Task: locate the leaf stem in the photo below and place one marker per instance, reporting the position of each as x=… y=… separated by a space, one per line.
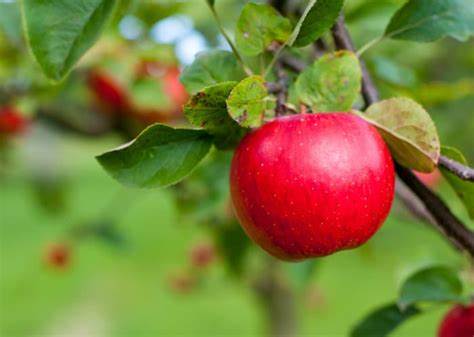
x=229 y=40
x=369 y=45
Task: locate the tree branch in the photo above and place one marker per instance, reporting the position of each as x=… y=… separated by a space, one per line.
x=282 y=93
x=445 y=221
x=462 y=171
x=343 y=40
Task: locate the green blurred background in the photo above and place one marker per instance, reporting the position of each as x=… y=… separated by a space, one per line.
x=135 y=277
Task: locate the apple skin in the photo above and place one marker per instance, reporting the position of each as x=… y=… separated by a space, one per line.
x=458 y=322
x=309 y=185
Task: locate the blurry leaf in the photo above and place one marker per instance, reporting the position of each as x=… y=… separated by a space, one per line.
x=383 y=321
x=158 y=157
x=301 y=272
x=442 y=92
x=211 y=67
x=148 y=93
x=432 y=284
x=464 y=189
x=208 y=109
x=61 y=31
x=394 y=73
x=332 y=83
x=211 y=2
x=429 y=20
x=319 y=19
x=258 y=26
x=10 y=21
x=233 y=245
x=246 y=103
x=408 y=130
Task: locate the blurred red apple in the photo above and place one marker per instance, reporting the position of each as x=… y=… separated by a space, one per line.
x=167 y=80
x=11 y=121
x=309 y=185
x=108 y=92
x=458 y=322
x=173 y=87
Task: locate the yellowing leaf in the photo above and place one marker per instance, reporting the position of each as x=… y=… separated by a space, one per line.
x=408 y=130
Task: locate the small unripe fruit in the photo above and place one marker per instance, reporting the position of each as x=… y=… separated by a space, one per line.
x=309 y=185
x=458 y=322
x=58 y=255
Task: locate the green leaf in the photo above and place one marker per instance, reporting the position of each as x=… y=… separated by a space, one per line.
x=430 y=284
x=408 y=130
x=10 y=21
x=332 y=83
x=464 y=189
x=429 y=20
x=209 y=68
x=246 y=103
x=383 y=321
x=61 y=31
x=208 y=109
x=318 y=20
x=233 y=245
x=301 y=272
x=159 y=156
x=394 y=73
x=260 y=25
x=211 y=2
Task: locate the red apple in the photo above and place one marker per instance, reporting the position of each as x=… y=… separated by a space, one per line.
x=108 y=92
x=11 y=121
x=459 y=322
x=174 y=89
x=309 y=185
x=429 y=179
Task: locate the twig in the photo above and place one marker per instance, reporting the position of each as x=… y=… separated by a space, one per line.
x=278 y=300
x=292 y=63
x=462 y=171
x=446 y=222
x=343 y=40
x=282 y=93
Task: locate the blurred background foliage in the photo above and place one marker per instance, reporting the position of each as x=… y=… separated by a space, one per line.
x=175 y=262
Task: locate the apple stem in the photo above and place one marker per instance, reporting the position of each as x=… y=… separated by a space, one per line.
x=444 y=220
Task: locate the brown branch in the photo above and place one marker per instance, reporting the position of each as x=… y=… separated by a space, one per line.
x=283 y=92
x=462 y=171
x=446 y=222
x=343 y=40
x=278 y=301
x=292 y=63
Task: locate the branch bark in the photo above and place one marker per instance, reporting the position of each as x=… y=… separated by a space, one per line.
x=462 y=171
x=445 y=221
x=277 y=300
